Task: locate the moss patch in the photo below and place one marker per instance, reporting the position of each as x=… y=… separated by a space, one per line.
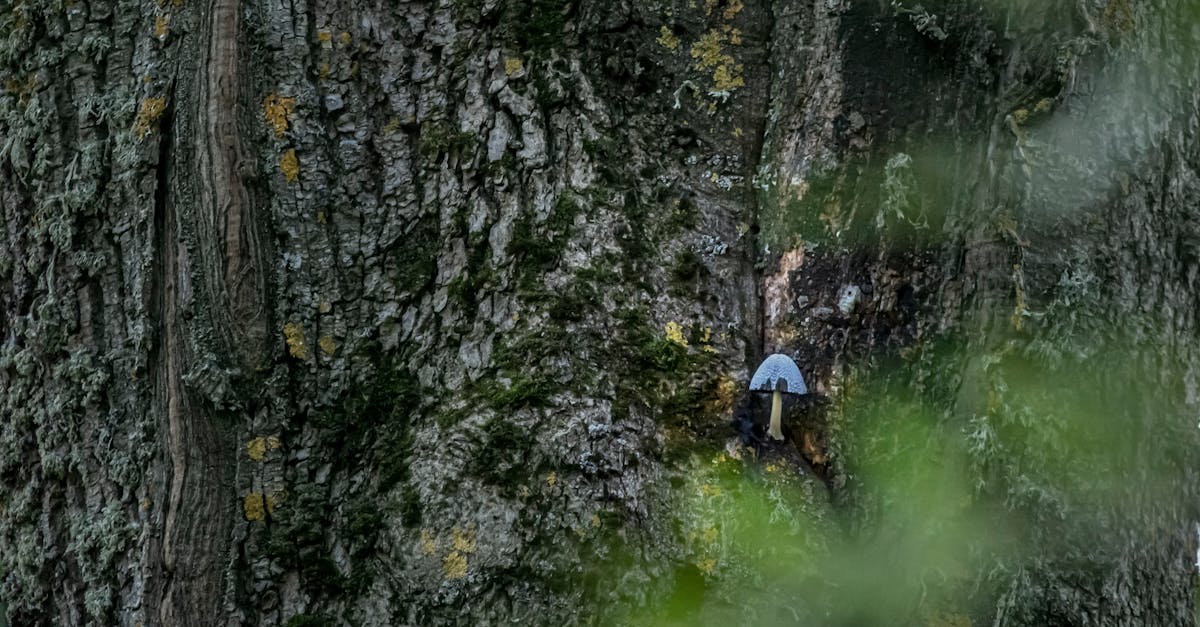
x=503 y=455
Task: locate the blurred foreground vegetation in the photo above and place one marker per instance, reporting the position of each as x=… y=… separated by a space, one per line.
x=963 y=500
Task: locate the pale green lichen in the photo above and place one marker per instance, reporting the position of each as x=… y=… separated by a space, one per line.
x=328 y=345
x=668 y=39
x=710 y=55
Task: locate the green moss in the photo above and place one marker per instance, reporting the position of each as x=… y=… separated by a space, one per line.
x=520 y=394
x=502 y=456
x=535 y=26
x=410 y=507
x=438 y=137
x=371 y=428
x=416 y=259
x=685 y=271
x=634 y=236
x=537 y=248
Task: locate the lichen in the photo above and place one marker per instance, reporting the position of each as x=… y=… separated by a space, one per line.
x=328 y=345
x=161 y=26
x=429 y=543
x=731 y=11
x=278 y=109
x=257 y=448
x=463 y=540
x=667 y=39
x=289 y=165
x=454 y=565
x=293 y=334
x=512 y=65
x=1118 y=15
x=148 y=114
x=254 y=506
x=675 y=333
x=710 y=55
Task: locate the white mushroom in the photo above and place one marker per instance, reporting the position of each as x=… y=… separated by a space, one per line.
x=779 y=375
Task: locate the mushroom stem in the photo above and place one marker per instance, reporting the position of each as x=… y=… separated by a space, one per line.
x=776 y=412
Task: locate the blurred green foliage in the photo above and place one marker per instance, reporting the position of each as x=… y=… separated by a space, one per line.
x=960 y=491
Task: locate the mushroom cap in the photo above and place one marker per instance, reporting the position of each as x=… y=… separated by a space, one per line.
x=778 y=371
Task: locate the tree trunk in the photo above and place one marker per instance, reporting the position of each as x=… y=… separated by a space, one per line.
x=415 y=314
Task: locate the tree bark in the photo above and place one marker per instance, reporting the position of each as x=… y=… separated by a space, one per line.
x=410 y=314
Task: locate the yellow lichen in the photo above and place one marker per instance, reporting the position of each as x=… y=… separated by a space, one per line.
x=22 y=88
x=707 y=566
x=254 y=505
x=709 y=5
x=725 y=79
x=1118 y=14
x=709 y=535
x=146 y=504
x=667 y=39
x=428 y=542
x=277 y=110
x=293 y=333
x=1020 y=116
x=161 y=27
x=1043 y=105
x=454 y=566
x=675 y=333
x=551 y=479
x=289 y=165
x=595 y=521
x=323 y=71
x=324 y=37
x=148 y=114
x=257 y=448
x=512 y=65
x=735 y=7
x=463 y=541
x=710 y=55
x=328 y=346
x=344 y=38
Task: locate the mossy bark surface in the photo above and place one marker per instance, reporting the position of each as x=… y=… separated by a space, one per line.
x=334 y=312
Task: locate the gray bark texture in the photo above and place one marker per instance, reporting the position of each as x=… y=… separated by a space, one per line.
x=427 y=313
